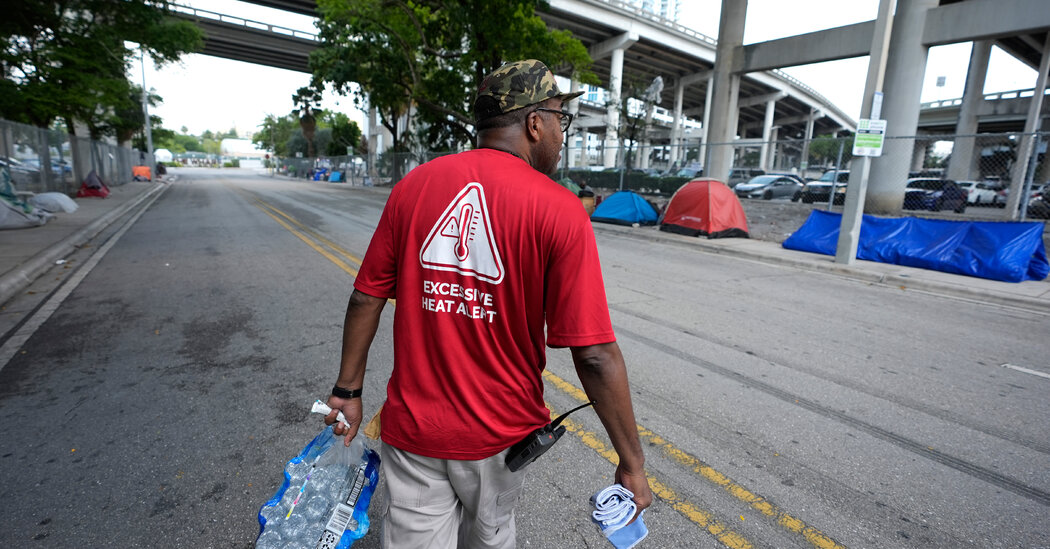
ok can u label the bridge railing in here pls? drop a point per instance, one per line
(955, 102)
(247, 23)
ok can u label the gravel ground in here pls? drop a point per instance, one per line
(776, 220)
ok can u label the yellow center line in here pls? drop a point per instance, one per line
(335, 247)
(698, 516)
(815, 537)
(339, 262)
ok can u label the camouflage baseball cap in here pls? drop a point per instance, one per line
(516, 85)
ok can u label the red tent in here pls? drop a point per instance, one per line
(705, 207)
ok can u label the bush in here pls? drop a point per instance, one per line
(234, 163)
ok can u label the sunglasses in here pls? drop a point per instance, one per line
(564, 118)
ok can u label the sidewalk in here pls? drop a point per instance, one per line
(26, 253)
(1034, 295)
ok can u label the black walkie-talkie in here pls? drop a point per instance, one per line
(537, 442)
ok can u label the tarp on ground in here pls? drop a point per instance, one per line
(141, 173)
(625, 208)
(569, 184)
(16, 213)
(93, 186)
(705, 207)
(1006, 251)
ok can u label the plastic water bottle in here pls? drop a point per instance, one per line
(323, 501)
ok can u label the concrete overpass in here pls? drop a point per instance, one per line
(625, 43)
(738, 91)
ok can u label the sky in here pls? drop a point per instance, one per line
(208, 93)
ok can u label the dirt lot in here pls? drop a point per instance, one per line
(775, 220)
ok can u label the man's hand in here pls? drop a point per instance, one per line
(351, 408)
(638, 484)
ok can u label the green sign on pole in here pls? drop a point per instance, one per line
(869, 138)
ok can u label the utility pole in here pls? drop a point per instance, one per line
(145, 104)
(871, 108)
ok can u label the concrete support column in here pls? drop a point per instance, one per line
(572, 154)
(1025, 150)
(774, 148)
(767, 129)
(905, 68)
(721, 126)
(373, 144)
(806, 139)
(702, 148)
(920, 149)
(612, 110)
(963, 163)
(676, 124)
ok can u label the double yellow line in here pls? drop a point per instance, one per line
(306, 234)
(702, 518)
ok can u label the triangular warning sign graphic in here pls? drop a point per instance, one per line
(461, 241)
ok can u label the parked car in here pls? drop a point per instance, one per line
(980, 192)
(819, 190)
(21, 173)
(769, 187)
(687, 172)
(1039, 207)
(934, 195)
(58, 167)
(742, 175)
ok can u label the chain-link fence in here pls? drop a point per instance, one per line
(817, 171)
(43, 160)
(353, 170)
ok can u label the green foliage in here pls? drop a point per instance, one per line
(825, 148)
(345, 134)
(274, 133)
(633, 181)
(333, 133)
(67, 59)
(430, 56)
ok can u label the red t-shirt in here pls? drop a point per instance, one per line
(480, 251)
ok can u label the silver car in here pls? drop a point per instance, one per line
(768, 187)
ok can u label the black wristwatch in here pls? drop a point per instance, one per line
(340, 392)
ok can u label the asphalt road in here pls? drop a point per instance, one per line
(157, 404)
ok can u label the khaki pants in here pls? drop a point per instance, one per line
(436, 503)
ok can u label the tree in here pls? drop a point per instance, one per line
(427, 57)
(274, 133)
(345, 134)
(67, 59)
(825, 149)
(307, 101)
(637, 100)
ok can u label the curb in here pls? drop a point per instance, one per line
(889, 280)
(19, 278)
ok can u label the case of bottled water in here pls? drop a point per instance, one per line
(323, 501)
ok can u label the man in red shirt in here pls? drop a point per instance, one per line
(489, 261)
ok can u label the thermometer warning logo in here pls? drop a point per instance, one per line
(461, 241)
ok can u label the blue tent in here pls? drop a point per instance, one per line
(625, 208)
(1011, 252)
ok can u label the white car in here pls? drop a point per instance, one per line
(981, 192)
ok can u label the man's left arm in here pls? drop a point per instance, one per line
(603, 375)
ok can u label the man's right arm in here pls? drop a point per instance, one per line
(604, 377)
(359, 329)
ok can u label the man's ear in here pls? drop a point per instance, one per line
(533, 126)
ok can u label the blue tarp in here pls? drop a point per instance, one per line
(1011, 252)
(625, 208)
